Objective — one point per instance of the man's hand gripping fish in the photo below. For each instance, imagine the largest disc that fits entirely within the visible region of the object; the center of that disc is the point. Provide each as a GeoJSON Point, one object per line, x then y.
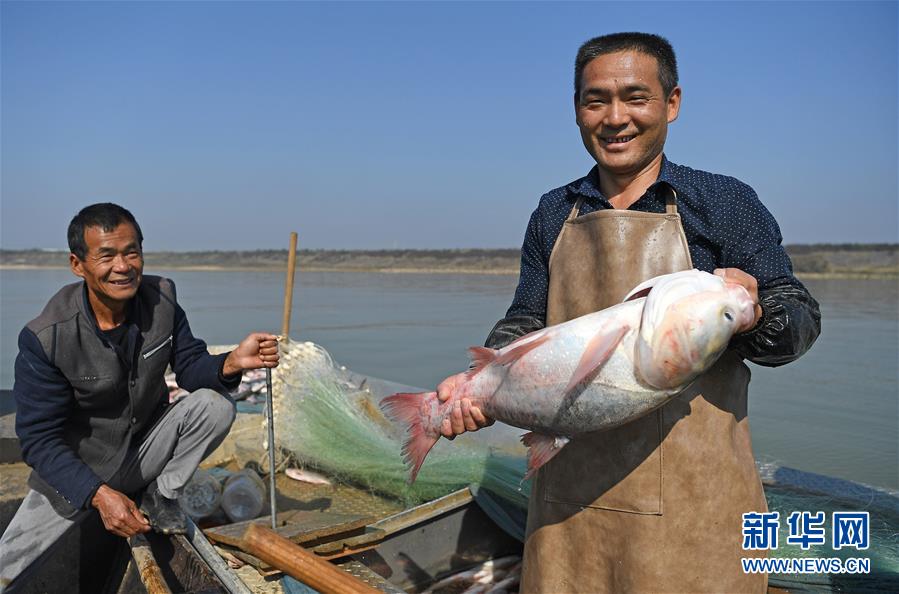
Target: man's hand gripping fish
{"type": "Point", "coordinates": [592, 373]}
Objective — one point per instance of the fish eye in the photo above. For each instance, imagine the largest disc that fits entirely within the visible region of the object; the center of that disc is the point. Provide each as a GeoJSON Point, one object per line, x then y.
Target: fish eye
{"type": "Point", "coordinates": [729, 316]}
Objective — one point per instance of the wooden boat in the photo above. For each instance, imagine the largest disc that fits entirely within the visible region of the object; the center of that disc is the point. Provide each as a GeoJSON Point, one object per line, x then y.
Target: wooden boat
{"type": "Point", "coordinates": [372, 537]}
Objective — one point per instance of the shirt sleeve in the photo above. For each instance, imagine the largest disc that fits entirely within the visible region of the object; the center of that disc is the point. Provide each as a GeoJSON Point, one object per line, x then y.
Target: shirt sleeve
{"type": "Point", "coordinates": [194, 367]}
{"type": "Point", "coordinates": [43, 401]}
{"type": "Point", "coordinates": [791, 318]}
{"type": "Point", "coordinates": [528, 310]}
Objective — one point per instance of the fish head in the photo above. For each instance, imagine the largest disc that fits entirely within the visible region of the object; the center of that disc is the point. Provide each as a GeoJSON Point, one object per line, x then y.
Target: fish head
{"type": "Point", "coordinates": [688, 320]}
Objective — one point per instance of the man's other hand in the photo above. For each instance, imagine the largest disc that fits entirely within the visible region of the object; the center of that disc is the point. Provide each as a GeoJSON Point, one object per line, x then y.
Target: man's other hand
{"type": "Point", "coordinates": [464, 416]}
{"type": "Point", "coordinates": [736, 276]}
{"type": "Point", "coordinates": [255, 351]}
{"type": "Point", "coordinates": [119, 514]}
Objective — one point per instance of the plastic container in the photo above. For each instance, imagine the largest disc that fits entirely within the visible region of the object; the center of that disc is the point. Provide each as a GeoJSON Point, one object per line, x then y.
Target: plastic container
{"type": "Point", "coordinates": [201, 496]}
{"type": "Point", "coordinates": [243, 496]}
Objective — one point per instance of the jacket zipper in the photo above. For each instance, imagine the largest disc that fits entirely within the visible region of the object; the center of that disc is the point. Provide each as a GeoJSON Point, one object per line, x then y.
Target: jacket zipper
{"type": "Point", "coordinates": [153, 351]}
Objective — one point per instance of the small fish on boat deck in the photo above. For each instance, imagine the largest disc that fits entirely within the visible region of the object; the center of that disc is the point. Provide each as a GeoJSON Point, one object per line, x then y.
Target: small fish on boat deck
{"type": "Point", "coordinates": [591, 373]}
{"type": "Point", "coordinates": [306, 476]}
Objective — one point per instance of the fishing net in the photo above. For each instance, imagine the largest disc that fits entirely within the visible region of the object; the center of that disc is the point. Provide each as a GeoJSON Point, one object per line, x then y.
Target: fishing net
{"type": "Point", "coordinates": [329, 419]}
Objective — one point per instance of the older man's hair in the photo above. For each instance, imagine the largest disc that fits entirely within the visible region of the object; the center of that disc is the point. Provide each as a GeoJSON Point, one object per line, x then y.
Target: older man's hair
{"type": "Point", "coordinates": [104, 215]}
{"type": "Point", "coordinates": [646, 43]}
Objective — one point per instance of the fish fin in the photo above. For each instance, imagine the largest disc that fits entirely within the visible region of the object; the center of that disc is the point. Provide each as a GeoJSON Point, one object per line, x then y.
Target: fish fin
{"type": "Point", "coordinates": [597, 352]}
{"type": "Point", "coordinates": [637, 294]}
{"type": "Point", "coordinates": [641, 290]}
{"type": "Point", "coordinates": [541, 449]}
{"type": "Point", "coordinates": [481, 357]}
{"type": "Point", "coordinates": [406, 407]}
{"type": "Point", "coordinates": [516, 353]}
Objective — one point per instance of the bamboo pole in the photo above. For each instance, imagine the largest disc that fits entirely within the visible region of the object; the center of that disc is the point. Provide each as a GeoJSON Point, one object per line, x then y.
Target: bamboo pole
{"type": "Point", "coordinates": [288, 285]}
{"type": "Point", "coordinates": [299, 563]}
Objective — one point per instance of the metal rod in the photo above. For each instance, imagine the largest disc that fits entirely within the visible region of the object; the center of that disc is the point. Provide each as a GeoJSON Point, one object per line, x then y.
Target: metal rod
{"type": "Point", "coordinates": [232, 583]}
{"type": "Point", "coordinates": [288, 286]}
{"type": "Point", "coordinates": [271, 444]}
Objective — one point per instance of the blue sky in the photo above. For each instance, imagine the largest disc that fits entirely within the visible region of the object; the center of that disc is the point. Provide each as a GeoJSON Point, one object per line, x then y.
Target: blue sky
{"type": "Point", "coordinates": [226, 125]}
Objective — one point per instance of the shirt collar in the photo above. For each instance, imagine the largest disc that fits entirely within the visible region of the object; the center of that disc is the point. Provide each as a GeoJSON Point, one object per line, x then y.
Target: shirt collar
{"type": "Point", "coordinates": [588, 186]}
{"type": "Point", "coordinates": [89, 311]}
{"type": "Point", "coordinates": [669, 175]}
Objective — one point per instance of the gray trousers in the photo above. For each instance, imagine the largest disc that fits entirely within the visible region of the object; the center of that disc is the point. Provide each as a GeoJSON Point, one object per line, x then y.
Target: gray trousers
{"type": "Point", "coordinates": [170, 453]}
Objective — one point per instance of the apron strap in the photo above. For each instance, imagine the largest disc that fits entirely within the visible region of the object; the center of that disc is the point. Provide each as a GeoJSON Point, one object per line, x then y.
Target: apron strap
{"type": "Point", "coordinates": [670, 204]}
{"type": "Point", "coordinates": [670, 200]}
{"type": "Point", "coordinates": [577, 208]}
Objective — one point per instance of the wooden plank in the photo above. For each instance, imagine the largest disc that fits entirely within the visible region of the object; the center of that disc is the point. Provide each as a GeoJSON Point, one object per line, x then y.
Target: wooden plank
{"type": "Point", "coordinates": [425, 511]}
{"type": "Point", "coordinates": [300, 526]}
{"type": "Point", "coordinates": [381, 529]}
{"type": "Point", "coordinates": [347, 546]}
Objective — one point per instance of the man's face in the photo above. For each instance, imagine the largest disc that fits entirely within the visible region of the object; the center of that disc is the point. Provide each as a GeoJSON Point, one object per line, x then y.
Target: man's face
{"type": "Point", "coordinates": [113, 265]}
{"type": "Point", "coordinates": [623, 113]}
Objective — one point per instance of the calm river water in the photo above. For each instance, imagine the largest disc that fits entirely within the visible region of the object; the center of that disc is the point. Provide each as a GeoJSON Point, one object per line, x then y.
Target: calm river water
{"type": "Point", "coordinates": [835, 411]}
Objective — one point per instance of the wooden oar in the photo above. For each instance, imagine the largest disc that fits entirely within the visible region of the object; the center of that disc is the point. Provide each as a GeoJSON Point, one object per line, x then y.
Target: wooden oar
{"type": "Point", "coordinates": [299, 563]}
{"type": "Point", "coordinates": [147, 567]}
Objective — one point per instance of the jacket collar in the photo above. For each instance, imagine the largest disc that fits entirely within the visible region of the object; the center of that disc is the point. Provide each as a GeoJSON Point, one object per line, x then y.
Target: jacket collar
{"type": "Point", "coordinates": [130, 321]}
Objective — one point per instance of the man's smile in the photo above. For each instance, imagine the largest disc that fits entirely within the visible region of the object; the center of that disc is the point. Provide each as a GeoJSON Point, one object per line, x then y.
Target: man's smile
{"type": "Point", "coordinates": [617, 139]}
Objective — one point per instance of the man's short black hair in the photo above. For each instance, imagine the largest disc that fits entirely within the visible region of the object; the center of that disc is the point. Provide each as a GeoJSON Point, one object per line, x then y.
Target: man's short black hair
{"type": "Point", "coordinates": [104, 215]}
{"type": "Point", "coordinates": [646, 43]}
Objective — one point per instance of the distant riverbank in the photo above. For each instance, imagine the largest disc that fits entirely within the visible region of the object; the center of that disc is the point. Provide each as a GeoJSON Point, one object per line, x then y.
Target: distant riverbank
{"type": "Point", "coordinates": [811, 261]}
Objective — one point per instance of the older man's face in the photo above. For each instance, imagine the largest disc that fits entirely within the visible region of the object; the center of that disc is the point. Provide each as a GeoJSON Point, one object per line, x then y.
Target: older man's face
{"type": "Point", "coordinates": [113, 265]}
{"type": "Point", "coordinates": [623, 113]}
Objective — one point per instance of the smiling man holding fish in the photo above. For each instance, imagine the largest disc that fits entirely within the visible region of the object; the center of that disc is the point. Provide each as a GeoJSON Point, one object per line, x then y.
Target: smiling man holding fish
{"type": "Point", "coordinates": [655, 504]}
{"type": "Point", "coordinates": [92, 409]}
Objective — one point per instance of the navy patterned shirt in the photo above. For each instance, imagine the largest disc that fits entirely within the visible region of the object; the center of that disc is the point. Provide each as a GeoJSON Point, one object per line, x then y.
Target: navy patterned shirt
{"type": "Point", "coordinates": [726, 226]}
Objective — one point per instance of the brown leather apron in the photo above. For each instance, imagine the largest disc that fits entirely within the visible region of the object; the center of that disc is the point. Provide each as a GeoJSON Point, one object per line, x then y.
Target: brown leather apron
{"type": "Point", "coordinates": [654, 505]}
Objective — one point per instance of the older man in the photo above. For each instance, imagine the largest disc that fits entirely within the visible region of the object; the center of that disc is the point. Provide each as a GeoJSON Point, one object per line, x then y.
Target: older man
{"type": "Point", "coordinates": [654, 505]}
{"type": "Point", "coordinates": [92, 409]}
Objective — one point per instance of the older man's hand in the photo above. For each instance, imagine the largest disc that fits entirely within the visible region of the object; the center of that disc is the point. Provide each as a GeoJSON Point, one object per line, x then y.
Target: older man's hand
{"type": "Point", "coordinates": [119, 514]}
{"type": "Point", "coordinates": [736, 276]}
{"type": "Point", "coordinates": [464, 416]}
{"type": "Point", "coordinates": [255, 351]}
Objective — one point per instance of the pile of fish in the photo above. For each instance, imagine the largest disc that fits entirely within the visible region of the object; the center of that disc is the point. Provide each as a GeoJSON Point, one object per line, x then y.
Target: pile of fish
{"type": "Point", "coordinates": [251, 388]}
{"type": "Point", "coordinates": [592, 373]}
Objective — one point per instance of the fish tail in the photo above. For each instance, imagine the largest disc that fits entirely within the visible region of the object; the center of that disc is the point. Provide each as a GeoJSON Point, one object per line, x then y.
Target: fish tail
{"type": "Point", "coordinates": [410, 410]}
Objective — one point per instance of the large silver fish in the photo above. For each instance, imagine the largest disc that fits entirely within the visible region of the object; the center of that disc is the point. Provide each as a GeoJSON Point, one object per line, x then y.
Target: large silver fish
{"type": "Point", "coordinates": [592, 373]}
